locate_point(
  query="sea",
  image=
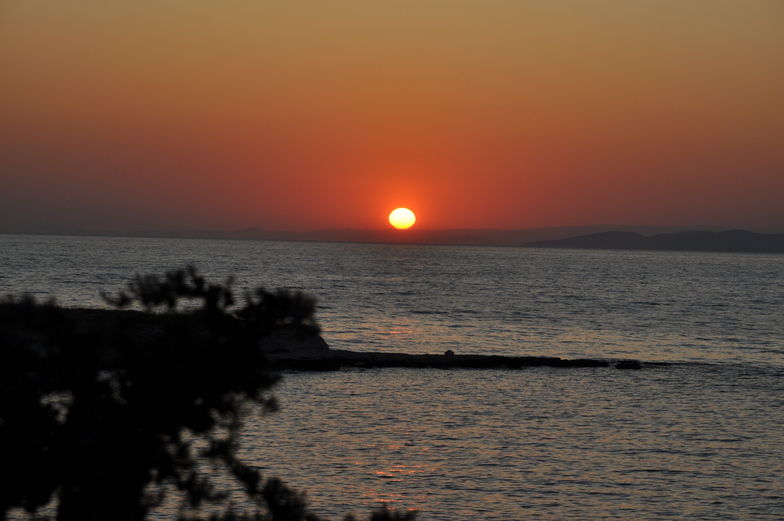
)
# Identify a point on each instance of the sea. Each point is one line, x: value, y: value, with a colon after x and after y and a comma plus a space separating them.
x: 697, y: 433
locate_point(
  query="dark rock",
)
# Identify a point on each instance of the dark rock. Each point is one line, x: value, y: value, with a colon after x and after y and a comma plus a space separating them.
x: 449, y: 352
x: 335, y: 359
x: 582, y: 362
x: 628, y: 364
x: 289, y: 342
x: 307, y: 364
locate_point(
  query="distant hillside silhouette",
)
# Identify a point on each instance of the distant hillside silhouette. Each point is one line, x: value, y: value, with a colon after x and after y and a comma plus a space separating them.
x: 600, y: 236
x: 463, y: 237
x: 724, y: 241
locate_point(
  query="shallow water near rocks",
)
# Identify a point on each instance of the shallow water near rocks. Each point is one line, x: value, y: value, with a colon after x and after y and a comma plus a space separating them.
x: 691, y: 441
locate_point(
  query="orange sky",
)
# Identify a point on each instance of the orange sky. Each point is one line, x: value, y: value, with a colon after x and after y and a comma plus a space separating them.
x: 180, y: 114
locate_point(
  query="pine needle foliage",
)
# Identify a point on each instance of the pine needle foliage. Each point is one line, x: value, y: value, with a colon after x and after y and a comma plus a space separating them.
x: 104, y: 414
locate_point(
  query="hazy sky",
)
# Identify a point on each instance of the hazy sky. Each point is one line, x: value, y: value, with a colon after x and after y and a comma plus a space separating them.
x: 300, y: 115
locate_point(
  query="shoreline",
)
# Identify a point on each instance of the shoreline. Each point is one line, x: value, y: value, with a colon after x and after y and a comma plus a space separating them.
x: 337, y: 359
x: 290, y: 352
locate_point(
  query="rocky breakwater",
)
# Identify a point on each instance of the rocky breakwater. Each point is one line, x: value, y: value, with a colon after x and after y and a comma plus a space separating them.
x: 288, y: 352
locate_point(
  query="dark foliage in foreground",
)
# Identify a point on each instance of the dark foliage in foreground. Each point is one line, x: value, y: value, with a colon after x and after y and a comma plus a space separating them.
x: 111, y: 412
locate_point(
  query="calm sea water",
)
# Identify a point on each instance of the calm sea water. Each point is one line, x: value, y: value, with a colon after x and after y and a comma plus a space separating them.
x: 662, y: 306
x: 702, y: 439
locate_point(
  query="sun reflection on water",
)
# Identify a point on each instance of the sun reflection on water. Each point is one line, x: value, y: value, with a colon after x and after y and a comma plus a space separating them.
x: 591, y: 443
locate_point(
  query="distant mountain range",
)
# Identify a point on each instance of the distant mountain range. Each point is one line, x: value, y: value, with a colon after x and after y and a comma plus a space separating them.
x: 466, y: 237
x: 724, y: 241
x: 582, y: 237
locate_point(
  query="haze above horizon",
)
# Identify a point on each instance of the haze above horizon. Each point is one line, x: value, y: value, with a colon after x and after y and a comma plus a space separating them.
x: 310, y: 116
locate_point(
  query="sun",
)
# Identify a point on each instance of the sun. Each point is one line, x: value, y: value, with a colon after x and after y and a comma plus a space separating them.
x: 402, y: 218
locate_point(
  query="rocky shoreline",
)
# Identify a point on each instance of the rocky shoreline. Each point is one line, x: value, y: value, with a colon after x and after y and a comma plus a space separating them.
x: 289, y: 352
x: 336, y: 359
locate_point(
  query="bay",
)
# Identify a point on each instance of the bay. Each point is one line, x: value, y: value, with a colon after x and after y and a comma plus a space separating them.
x: 699, y: 439
x: 682, y: 442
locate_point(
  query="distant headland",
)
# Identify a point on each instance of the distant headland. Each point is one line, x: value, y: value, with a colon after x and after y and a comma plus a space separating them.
x: 723, y: 241
x: 603, y: 237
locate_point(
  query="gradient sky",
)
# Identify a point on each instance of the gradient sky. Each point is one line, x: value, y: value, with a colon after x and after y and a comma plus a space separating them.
x: 295, y: 115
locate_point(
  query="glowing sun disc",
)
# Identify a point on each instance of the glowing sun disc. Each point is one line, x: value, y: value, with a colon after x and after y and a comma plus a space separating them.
x: 402, y: 218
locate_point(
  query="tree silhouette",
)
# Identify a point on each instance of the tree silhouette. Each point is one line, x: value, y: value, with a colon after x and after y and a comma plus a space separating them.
x: 109, y: 413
